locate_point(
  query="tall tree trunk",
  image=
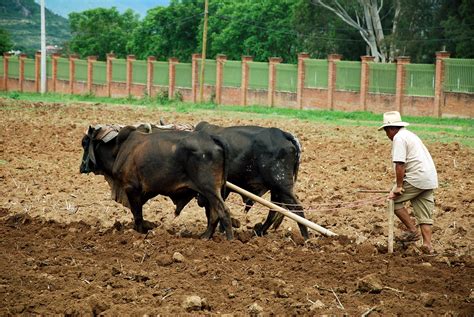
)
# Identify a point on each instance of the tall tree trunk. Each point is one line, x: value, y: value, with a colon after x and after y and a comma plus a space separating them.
x: 370, y: 28
x: 393, y: 45
x: 377, y: 27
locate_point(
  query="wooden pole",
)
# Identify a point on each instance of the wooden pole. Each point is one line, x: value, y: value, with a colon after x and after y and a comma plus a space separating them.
x: 373, y: 191
x: 284, y: 211
x: 203, y: 54
x: 390, y: 209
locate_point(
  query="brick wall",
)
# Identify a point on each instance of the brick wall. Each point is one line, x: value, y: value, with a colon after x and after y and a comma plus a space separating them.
x: 442, y: 104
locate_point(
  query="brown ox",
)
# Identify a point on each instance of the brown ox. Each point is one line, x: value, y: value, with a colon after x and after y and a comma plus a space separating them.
x: 179, y: 164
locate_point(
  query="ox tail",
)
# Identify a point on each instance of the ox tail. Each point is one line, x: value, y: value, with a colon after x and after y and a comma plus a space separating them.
x: 290, y: 137
x: 225, y: 147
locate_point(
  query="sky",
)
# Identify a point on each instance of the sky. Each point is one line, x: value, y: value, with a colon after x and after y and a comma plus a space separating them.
x: 64, y: 7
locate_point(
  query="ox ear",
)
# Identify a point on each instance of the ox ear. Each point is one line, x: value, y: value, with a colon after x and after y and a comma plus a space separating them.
x: 92, y: 133
x: 91, y: 152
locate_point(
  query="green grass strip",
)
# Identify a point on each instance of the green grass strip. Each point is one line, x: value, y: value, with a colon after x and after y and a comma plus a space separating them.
x: 445, y: 130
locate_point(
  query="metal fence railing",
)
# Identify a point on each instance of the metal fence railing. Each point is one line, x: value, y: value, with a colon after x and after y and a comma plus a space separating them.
x: 13, y: 67
x: 316, y: 73
x: 99, y: 72
x: 161, y: 73
x: 119, y: 70
x: 258, y: 75
x: 49, y: 67
x: 63, y: 69
x: 183, y: 75
x: 348, y: 75
x: 459, y: 75
x: 29, y: 71
x: 419, y: 79
x: 382, y: 78
x: 209, y: 71
x: 139, y: 72
x: 232, y: 74
x: 80, y: 70
x: 286, y: 77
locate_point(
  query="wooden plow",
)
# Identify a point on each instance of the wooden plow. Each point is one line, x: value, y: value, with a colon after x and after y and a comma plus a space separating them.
x: 282, y: 210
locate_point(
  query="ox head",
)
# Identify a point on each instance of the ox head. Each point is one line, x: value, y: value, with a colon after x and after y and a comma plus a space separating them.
x: 93, y: 137
x: 88, y: 158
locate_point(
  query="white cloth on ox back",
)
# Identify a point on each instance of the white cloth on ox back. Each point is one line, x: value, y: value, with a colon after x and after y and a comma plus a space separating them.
x: 107, y: 132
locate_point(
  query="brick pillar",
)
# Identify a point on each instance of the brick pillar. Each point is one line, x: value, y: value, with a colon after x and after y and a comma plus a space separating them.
x: 149, y: 74
x: 72, y: 72
x: 245, y: 79
x: 400, y: 87
x: 6, y: 57
x: 54, y: 70
x: 130, y: 59
x: 272, y: 78
x: 332, y: 59
x: 21, y: 73
x: 300, y: 79
x: 364, y: 80
x: 195, y: 75
x: 110, y: 57
x: 220, y: 60
x: 90, y: 74
x: 172, y: 76
x: 37, y: 71
x: 439, y: 77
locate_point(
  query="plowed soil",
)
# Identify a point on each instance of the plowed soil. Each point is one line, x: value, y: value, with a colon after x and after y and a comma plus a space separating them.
x: 66, y: 248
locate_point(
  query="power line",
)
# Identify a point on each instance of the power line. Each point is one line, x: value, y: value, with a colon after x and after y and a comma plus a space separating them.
x: 294, y: 33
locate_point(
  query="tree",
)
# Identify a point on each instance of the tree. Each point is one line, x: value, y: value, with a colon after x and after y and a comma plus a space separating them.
x: 365, y: 17
x: 417, y: 32
x: 101, y: 31
x: 258, y: 28
x: 321, y: 34
x: 169, y: 31
x: 5, y: 41
x: 459, y: 27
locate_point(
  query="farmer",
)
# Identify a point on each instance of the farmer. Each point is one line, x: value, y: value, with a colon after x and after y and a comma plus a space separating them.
x: 416, y: 178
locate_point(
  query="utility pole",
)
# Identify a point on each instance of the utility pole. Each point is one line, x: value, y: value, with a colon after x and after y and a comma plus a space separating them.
x: 203, y: 55
x: 43, y: 49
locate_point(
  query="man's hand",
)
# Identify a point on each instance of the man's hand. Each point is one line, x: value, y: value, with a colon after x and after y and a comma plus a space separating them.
x: 396, y: 191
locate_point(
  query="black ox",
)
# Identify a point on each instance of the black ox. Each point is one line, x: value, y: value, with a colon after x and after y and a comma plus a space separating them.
x: 180, y: 164
x: 260, y: 160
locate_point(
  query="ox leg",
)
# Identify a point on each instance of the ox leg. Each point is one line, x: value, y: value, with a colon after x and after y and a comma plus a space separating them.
x: 261, y: 229
x: 212, y: 220
x: 275, y: 218
x: 226, y: 220
x: 294, y: 205
x: 220, y: 212
x: 136, y: 207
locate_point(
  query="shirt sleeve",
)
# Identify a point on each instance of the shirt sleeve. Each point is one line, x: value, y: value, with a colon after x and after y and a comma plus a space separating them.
x: 399, y: 150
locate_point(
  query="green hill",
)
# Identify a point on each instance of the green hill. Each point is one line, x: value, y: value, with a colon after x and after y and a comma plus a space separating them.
x: 22, y: 19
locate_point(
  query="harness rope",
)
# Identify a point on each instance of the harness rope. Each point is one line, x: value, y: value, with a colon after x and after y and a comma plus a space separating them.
x: 338, y: 205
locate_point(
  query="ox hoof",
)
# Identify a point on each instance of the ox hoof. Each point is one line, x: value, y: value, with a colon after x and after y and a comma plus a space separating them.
x: 144, y: 227
x: 258, y: 228
x: 235, y: 223
x: 230, y: 236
